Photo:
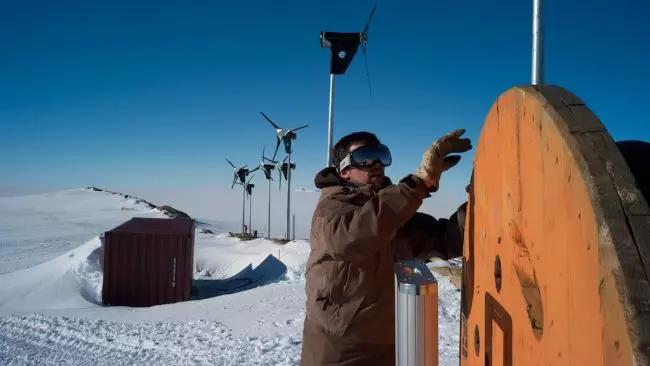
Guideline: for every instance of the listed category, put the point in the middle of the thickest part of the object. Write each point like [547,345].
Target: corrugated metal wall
[148,262]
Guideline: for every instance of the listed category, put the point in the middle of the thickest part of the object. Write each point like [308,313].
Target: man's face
[371,175]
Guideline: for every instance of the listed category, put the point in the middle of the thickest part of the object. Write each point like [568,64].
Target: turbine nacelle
[284,168]
[249,188]
[344,47]
[266,167]
[239,173]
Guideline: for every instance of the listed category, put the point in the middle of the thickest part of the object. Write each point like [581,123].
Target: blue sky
[137,94]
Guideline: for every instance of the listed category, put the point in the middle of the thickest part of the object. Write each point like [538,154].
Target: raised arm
[357,232]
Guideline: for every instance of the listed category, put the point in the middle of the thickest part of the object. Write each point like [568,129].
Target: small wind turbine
[285,169]
[343,47]
[267,168]
[286,136]
[278,165]
[241,173]
[249,190]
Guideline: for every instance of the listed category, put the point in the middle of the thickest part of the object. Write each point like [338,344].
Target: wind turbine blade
[231,164]
[365,60]
[271,122]
[365,29]
[250,171]
[277,145]
[285,169]
[296,129]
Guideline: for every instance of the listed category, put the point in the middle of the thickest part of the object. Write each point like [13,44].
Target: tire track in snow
[43,340]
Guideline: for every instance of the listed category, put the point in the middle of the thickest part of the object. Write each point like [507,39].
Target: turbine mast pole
[268,223]
[289,193]
[250,210]
[330,122]
[538,44]
[243,208]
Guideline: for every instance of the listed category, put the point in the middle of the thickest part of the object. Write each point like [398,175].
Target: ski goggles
[367,156]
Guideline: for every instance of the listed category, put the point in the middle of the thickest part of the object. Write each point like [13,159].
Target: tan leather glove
[436,158]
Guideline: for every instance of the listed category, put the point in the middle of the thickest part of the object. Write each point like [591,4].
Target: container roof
[142,225]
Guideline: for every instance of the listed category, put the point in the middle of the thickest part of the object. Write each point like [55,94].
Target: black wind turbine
[343,47]
[267,168]
[249,190]
[285,136]
[241,173]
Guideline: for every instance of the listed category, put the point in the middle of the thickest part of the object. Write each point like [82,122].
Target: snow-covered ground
[248,310]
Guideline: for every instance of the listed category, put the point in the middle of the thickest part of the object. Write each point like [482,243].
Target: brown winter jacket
[356,235]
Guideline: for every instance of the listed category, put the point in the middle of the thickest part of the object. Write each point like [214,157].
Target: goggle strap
[346,162]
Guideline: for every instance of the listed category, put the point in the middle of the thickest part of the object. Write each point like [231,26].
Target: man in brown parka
[362,224]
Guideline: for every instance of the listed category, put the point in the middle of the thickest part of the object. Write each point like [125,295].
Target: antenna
[286,136]
[343,47]
[538,44]
[241,173]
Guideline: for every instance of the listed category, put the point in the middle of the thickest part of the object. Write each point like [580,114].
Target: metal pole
[288,193]
[268,222]
[294,227]
[538,44]
[250,210]
[243,208]
[330,123]
[416,314]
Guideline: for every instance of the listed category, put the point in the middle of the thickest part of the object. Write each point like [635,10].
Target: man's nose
[375,164]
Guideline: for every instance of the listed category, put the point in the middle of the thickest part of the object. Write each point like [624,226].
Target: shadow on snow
[269,271]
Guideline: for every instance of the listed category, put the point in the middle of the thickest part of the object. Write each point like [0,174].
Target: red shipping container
[147,262]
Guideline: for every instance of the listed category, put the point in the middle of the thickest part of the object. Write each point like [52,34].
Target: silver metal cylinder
[416,314]
[250,212]
[243,208]
[538,44]
[268,220]
[289,196]
[330,122]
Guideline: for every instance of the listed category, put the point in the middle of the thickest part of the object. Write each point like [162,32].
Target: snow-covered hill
[249,307]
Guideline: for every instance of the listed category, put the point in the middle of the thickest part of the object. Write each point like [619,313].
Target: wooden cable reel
[557,240]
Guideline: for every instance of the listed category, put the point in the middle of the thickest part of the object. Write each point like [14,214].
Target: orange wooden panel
[554,266]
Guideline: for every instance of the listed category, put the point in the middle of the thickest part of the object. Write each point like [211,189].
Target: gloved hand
[436,158]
